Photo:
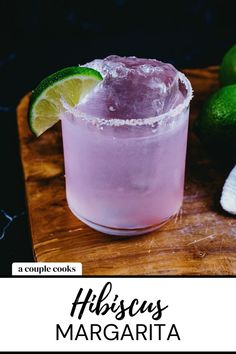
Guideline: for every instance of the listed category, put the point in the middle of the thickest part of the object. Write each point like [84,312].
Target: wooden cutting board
[200,240]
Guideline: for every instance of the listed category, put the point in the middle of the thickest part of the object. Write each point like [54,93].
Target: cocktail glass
[126,176]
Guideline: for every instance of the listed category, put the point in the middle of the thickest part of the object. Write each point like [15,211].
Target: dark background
[38,37]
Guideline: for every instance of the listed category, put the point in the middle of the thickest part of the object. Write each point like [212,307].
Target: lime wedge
[70,85]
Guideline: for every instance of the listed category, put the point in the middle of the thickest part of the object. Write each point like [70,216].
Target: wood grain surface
[201,240]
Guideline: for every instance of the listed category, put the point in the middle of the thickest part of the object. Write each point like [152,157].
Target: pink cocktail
[125,146]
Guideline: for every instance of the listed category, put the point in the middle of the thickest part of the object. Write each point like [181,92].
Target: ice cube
[133,88]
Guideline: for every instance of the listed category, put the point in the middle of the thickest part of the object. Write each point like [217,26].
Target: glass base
[120,232]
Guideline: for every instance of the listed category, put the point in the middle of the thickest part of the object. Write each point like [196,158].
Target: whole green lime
[228,68]
[216,125]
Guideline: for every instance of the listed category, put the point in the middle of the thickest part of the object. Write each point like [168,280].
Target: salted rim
[139,121]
